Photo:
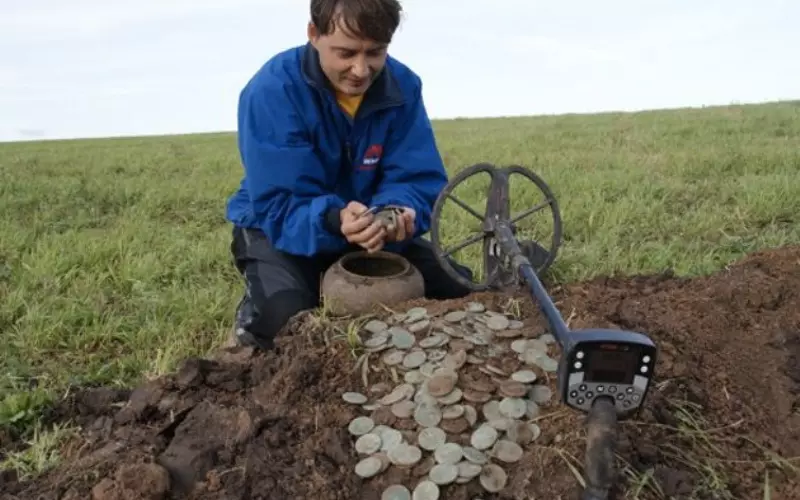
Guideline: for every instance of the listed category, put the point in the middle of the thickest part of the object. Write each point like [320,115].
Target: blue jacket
[304,158]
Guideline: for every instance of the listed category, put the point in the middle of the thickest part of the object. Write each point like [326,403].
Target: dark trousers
[279,285]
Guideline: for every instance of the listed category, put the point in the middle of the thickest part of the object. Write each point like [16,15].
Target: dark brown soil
[244,425]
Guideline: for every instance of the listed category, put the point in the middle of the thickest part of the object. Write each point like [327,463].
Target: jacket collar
[384,92]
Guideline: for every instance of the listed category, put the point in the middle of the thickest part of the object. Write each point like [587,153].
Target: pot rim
[375,255]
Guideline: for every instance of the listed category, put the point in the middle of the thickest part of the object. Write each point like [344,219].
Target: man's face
[350,64]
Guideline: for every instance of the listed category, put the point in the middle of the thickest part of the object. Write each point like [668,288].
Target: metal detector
[602,372]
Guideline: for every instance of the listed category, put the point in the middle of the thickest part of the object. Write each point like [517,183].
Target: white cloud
[113,67]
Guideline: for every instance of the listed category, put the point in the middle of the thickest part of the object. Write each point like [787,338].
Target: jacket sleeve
[413,171]
[283,177]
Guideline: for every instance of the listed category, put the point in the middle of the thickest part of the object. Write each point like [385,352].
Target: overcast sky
[91,68]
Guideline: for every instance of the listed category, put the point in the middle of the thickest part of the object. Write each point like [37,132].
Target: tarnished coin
[375,326]
[491,411]
[475,455]
[453,411]
[476,397]
[405,454]
[401,338]
[414,359]
[513,407]
[512,388]
[391,358]
[431,438]
[435,340]
[355,398]
[396,492]
[468,469]
[519,346]
[403,409]
[414,377]
[455,425]
[360,426]
[547,363]
[520,432]
[454,361]
[475,307]
[461,345]
[493,478]
[455,316]
[419,326]
[426,490]
[524,376]
[415,314]
[470,414]
[390,438]
[443,473]
[547,338]
[532,410]
[507,451]
[540,394]
[376,341]
[440,385]
[484,437]
[401,392]
[369,467]
[448,453]
[451,397]
[497,322]
[427,415]
[368,444]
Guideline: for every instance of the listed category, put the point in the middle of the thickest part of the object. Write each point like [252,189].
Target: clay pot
[359,281]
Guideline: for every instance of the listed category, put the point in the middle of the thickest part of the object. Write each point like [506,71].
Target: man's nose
[360,68]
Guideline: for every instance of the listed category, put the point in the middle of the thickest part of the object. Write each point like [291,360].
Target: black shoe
[240,336]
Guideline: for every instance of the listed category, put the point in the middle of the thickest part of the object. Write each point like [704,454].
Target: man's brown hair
[375,20]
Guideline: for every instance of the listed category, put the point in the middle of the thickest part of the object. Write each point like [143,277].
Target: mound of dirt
[725,409]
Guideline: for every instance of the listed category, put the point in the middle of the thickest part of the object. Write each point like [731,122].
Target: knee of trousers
[264,317]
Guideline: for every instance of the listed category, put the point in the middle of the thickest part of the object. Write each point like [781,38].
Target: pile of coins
[450,387]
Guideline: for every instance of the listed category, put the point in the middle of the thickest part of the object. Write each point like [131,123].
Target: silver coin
[396,492]
[455,316]
[507,451]
[414,359]
[426,490]
[355,398]
[405,454]
[368,444]
[513,407]
[369,467]
[375,326]
[443,473]
[493,478]
[430,438]
[448,453]
[360,426]
[484,437]
[524,376]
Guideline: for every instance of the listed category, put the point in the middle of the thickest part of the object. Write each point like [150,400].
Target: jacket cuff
[332,221]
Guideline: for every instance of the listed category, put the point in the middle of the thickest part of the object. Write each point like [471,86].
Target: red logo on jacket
[371,157]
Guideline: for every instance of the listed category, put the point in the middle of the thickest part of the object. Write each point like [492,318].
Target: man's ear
[313,33]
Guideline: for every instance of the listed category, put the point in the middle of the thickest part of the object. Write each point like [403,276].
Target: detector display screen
[613,367]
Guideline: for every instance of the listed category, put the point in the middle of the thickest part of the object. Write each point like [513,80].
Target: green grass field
[114,254]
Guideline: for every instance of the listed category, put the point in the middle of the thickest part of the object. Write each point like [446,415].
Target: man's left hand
[405,226]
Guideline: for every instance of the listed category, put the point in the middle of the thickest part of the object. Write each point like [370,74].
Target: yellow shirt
[349,103]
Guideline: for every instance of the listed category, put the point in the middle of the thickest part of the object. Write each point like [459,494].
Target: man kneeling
[326,130]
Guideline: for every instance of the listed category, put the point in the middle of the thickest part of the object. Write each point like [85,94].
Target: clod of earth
[312,421]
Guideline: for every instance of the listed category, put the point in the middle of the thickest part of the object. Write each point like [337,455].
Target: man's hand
[365,230]
[405,226]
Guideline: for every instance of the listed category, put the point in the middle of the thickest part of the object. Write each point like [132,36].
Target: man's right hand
[364,230]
